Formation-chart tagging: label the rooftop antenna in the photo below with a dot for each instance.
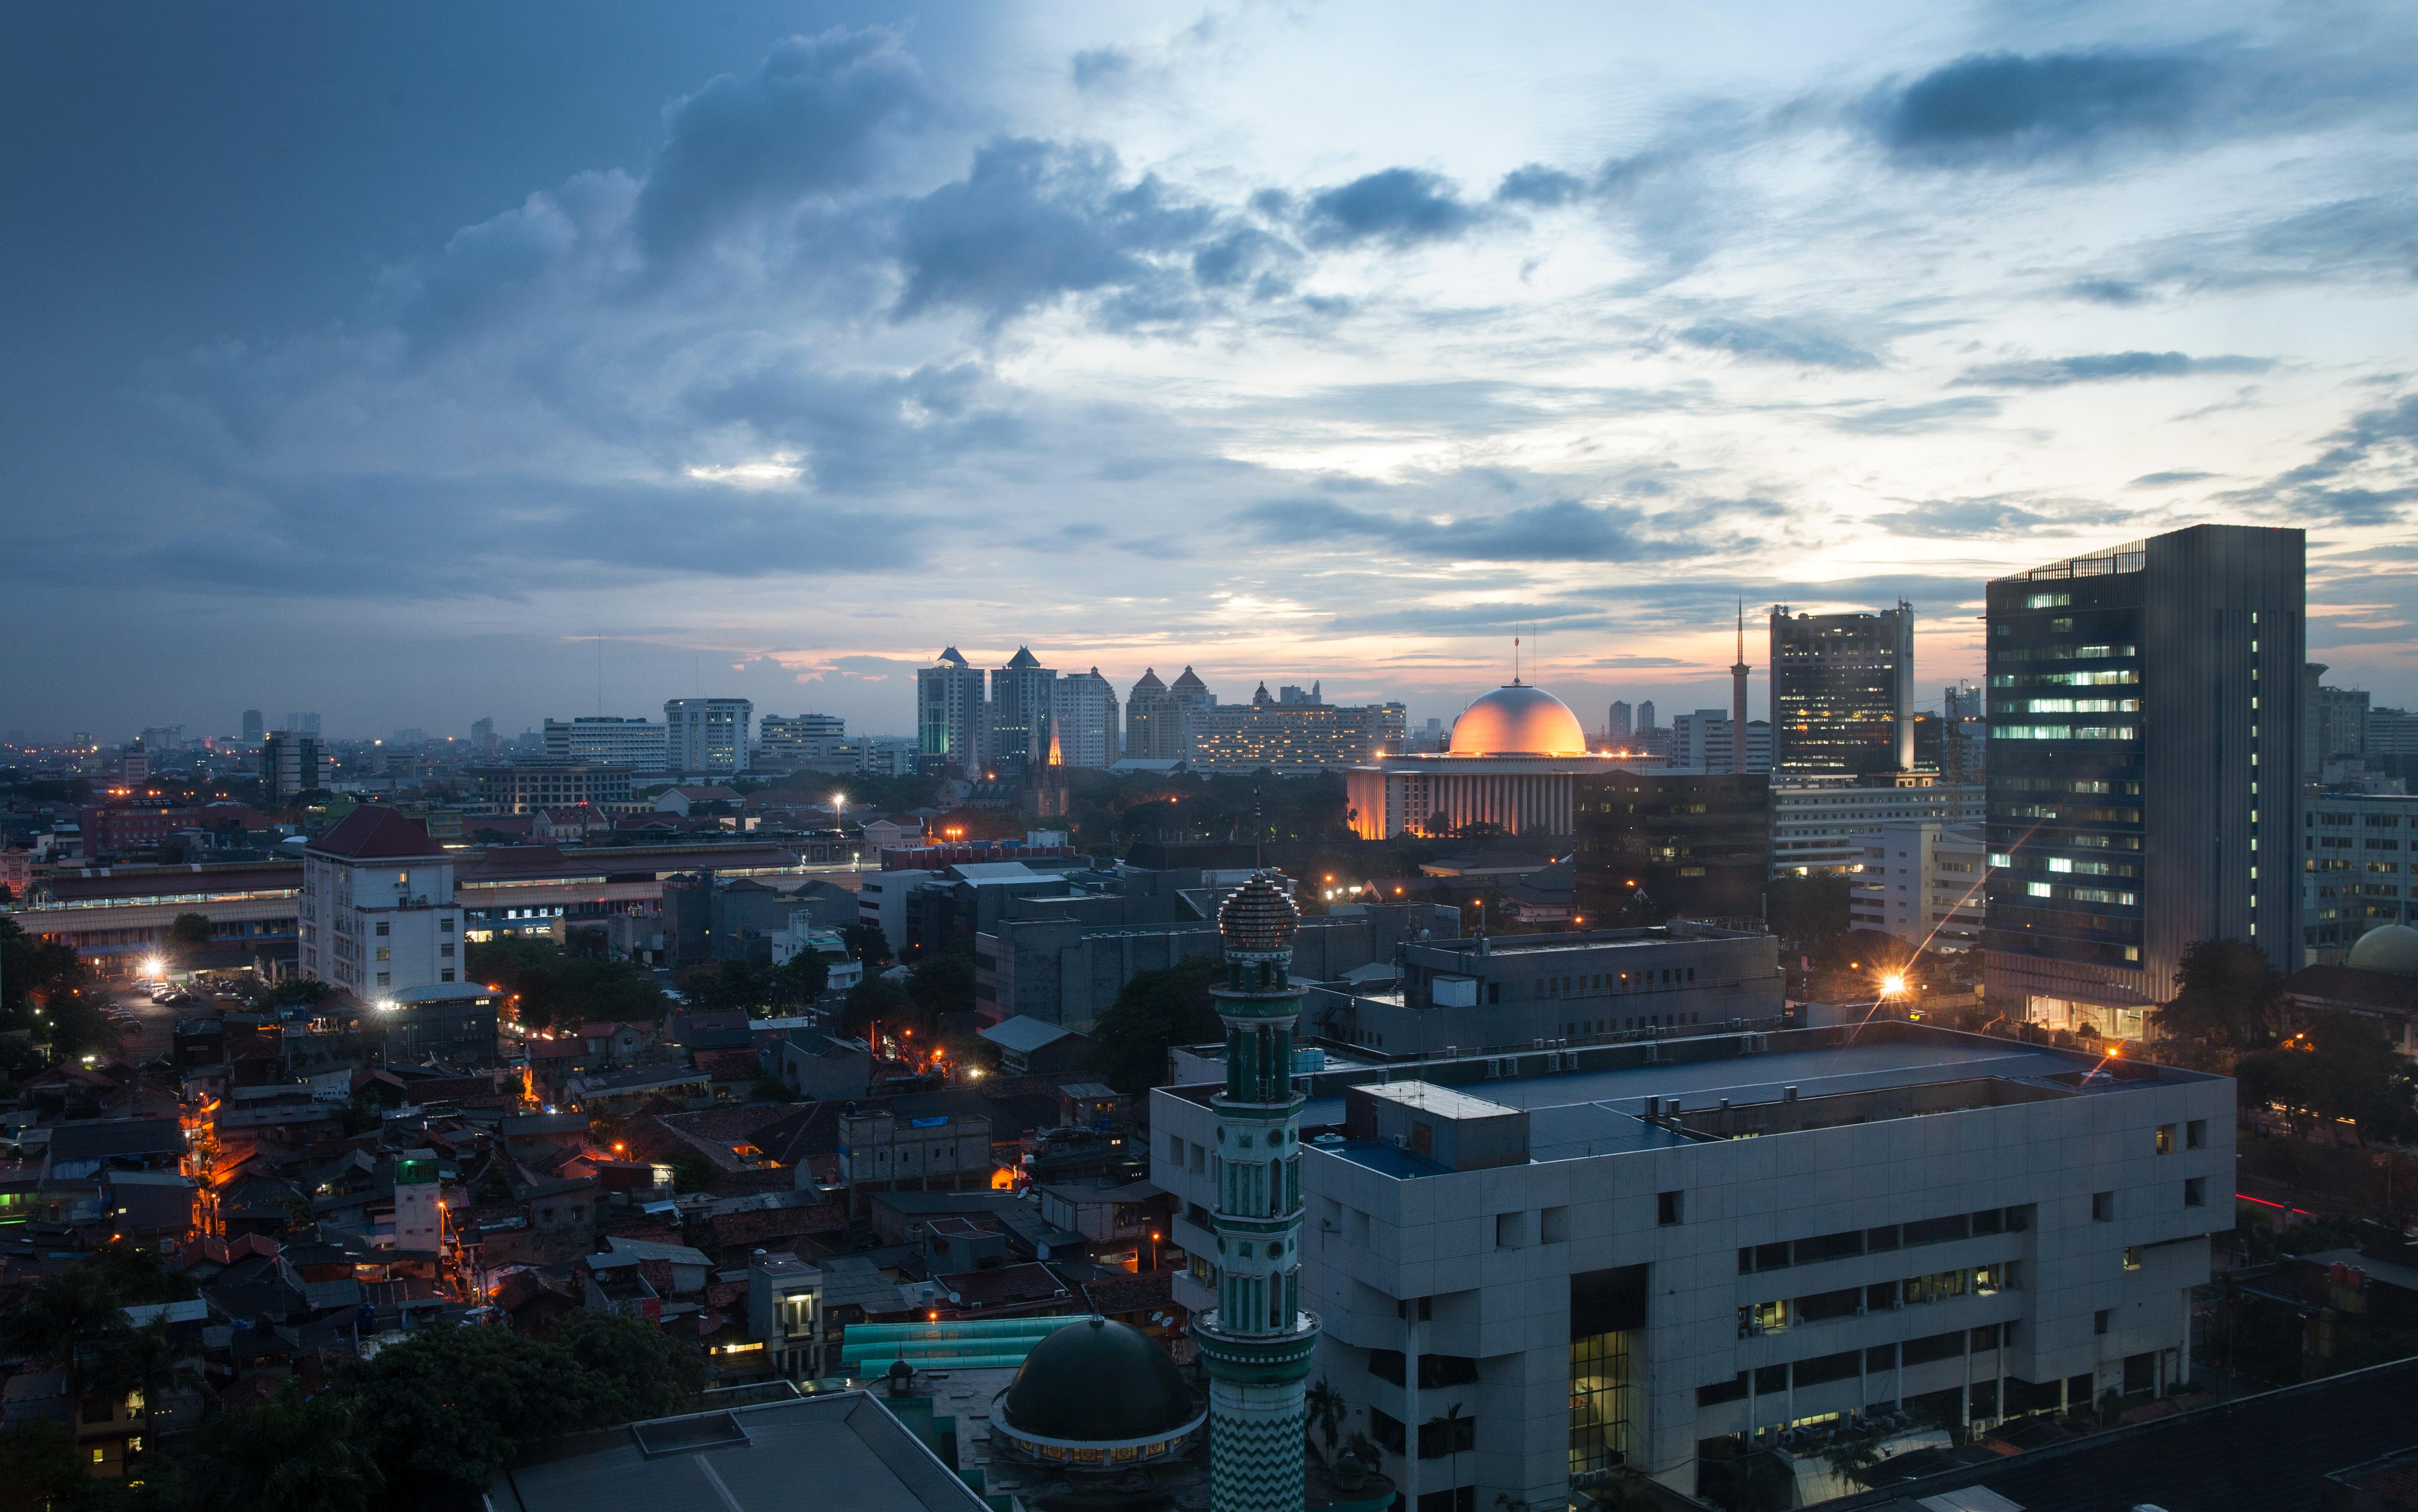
(1515, 658)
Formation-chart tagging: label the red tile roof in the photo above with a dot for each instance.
(375, 833)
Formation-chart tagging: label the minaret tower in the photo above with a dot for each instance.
(1737, 697)
(1257, 1342)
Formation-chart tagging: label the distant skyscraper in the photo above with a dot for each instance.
(1083, 711)
(1019, 708)
(2145, 769)
(2336, 725)
(302, 723)
(952, 712)
(254, 726)
(482, 736)
(1159, 715)
(707, 736)
(1645, 715)
(1701, 741)
(1618, 725)
(290, 763)
(1842, 690)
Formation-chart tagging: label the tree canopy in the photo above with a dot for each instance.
(557, 988)
(2229, 995)
(2339, 1067)
(1157, 1010)
(188, 932)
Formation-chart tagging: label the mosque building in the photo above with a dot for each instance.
(1514, 760)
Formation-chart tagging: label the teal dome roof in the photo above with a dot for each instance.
(1099, 1382)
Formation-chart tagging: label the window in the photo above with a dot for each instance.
(1553, 1226)
(2196, 1192)
(2196, 1134)
(1732, 1390)
(446, 975)
(1880, 1357)
(2099, 1320)
(1827, 1367)
(386, 979)
(1667, 1208)
(382, 927)
(1175, 1151)
(2166, 1138)
(446, 950)
(385, 953)
(1387, 1364)
(1937, 1347)
(2132, 1257)
(2102, 1207)
(1510, 1230)
(445, 925)
(1844, 1303)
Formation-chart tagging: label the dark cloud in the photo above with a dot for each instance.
(1795, 342)
(1944, 517)
(2376, 235)
(1537, 184)
(1472, 620)
(2101, 367)
(2004, 107)
(1400, 206)
(2167, 480)
(1034, 220)
(1913, 420)
(2112, 291)
(1563, 531)
(1101, 68)
(808, 122)
(2379, 446)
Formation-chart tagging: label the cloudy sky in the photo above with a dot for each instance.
(423, 363)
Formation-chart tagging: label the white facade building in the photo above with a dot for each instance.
(707, 736)
(1701, 741)
(1083, 713)
(1609, 1256)
(639, 744)
(378, 911)
(1822, 826)
(1921, 882)
(793, 741)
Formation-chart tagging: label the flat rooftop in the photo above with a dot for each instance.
(1601, 1107)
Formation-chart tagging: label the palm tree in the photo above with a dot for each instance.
(1456, 1430)
(291, 1453)
(1327, 1409)
(65, 1319)
(149, 1360)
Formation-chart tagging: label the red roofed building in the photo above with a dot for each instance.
(379, 915)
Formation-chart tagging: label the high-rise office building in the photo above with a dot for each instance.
(291, 764)
(639, 745)
(1644, 716)
(952, 712)
(2337, 721)
(254, 726)
(1842, 690)
(707, 736)
(2145, 769)
(1019, 710)
(1159, 715)
(482, 736)
(1083, 710)
(302, 723)
(1618, 725)
(1291, 737)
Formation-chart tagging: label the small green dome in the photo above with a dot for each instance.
(1099, 1382)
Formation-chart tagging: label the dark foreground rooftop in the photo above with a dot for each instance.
(841, 1450)
(2272, 1452)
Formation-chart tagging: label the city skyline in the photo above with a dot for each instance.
(749, 341)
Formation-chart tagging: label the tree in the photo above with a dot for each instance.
(299, 991)
(867, 943)
(1157, 1010)
(39, 1468)
(65, 1320)
(942, 982)
(294, 1453)
(1327, 1408)
(552, 988)
(34, 970)
(636, 1370)
(454, 1405)
(2339, 1067)
(2229, 992)
(188, 933)
(147, 1360)
(875, 1000)
(1808, 911)
(74, 1025)
(1852, 1449)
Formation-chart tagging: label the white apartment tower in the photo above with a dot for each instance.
(707, 737)
(377, 913)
